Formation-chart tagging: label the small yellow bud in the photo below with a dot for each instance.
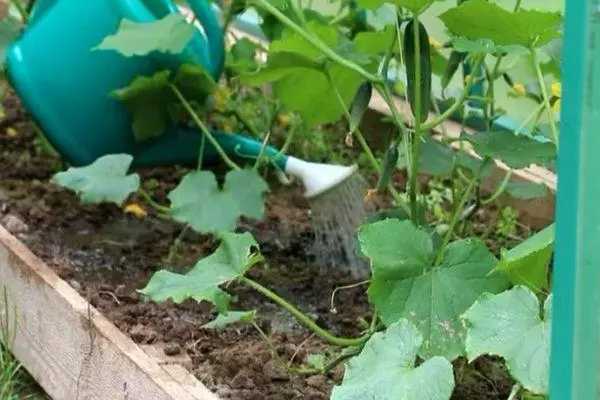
(435, 44)
(11, 132)
(221, 98)
(228, 125)
(556, 89)
(519, 88)
(284, 120)
(369, 195)
(135, 209)
(556, 106)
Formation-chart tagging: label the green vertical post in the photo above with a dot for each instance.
(574, 371)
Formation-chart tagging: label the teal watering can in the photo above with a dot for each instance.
(66, 86)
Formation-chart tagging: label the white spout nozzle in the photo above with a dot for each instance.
(317, 177)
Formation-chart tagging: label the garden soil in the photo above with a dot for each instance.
(106, 255)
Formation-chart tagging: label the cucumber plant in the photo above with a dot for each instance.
(436, 293)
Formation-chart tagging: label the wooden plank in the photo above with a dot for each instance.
(69, 347)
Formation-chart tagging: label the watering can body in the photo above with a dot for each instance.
(66, 86)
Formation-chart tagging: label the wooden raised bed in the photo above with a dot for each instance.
(74, 352)
(70, 348)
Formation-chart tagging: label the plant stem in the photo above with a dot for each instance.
(325, 335)
(344, 355)
(271, 346)
(459, 102)
(545, 97)
(456, 216)
(261, 153)
(160, 208)
(201, 152)
(175, 245)
(365, 146)
(489, 108)
(22, 11)
(535, 114)
(288, 140)
(245, 122)
(204, 129)
(416, 139)
(500, 189)
(337, 289)
(285, 365)
(374, 320)
(386, 93)
(317, 43)
(514, 392)
(517, 6)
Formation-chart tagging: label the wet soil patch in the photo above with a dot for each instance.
(106, 255)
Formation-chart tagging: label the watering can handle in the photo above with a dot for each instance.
(208, 49)
(214, 35)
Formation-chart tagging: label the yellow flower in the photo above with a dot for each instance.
(557, 92)
(228, 125)
(520, 89)
(369, 195)
(435, 44)
(284, 120)
(11, 132)
(221, 98)
(135, 209)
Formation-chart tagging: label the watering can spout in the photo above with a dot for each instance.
(316, 177)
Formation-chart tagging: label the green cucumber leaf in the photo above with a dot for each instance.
(405, 285)
(231, 317)
(509, 325)
(104, 180)
(199, 202)
(231, 260)
(166, 35)
(385, 369)
(414, 6)
(146, 100)
(482, 19)
(527, 191)
(301, 80)
(517, 151)
(527, 263)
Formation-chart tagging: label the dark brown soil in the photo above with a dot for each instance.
(106, 255)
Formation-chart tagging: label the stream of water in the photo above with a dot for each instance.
(336, 216)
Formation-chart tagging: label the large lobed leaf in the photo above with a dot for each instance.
(482, 19)
(10, 30)
(509, 325)
(105, 180)
(303, 82)
(198, 201)
(147, 98)
(517, 151)
(168, 35)
(527, 263)
(231, 317)
(405, 285)
(231, 260)
(385, 369)
(414, 6)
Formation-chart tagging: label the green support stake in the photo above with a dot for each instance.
(575, 349)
